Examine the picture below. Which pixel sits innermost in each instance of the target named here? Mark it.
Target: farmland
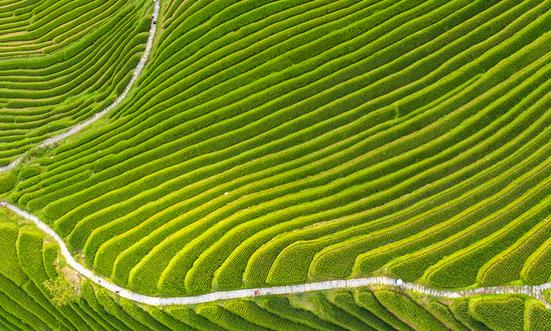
(29, 261)
(271, 143)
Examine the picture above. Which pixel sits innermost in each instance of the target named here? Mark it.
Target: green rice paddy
(274, 143)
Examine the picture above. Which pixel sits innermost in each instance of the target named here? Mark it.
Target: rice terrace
(275, 165)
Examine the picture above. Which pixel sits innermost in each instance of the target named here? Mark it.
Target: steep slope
(81, 73)
(29, 261)
(281, 142)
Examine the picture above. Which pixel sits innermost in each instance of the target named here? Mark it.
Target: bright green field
(278, 142)
(29, 259)
(61, 62)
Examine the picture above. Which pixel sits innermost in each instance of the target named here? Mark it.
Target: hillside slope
(29, 261)
(284, 142)
(72, 60)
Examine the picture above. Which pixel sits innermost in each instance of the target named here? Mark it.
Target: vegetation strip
(79, 127)
(535, 291)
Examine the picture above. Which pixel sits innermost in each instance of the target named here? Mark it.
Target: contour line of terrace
(534, 291)
(79, 127)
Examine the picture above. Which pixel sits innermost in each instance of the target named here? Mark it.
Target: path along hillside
(61, 62)
(272, 143)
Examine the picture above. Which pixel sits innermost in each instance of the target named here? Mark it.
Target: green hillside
(29, 260)
(61, 62)
(273, 143)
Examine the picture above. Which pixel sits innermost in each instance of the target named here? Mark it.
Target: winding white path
(79, 127)
(535, 291)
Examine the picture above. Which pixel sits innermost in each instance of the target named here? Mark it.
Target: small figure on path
(400, 283)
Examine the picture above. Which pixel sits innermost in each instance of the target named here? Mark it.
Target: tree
(61, 290)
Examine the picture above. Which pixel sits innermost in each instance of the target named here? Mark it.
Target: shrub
(62, 291)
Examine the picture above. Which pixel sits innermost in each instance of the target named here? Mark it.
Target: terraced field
(61, 62)
(284, 142)
(29, 261)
